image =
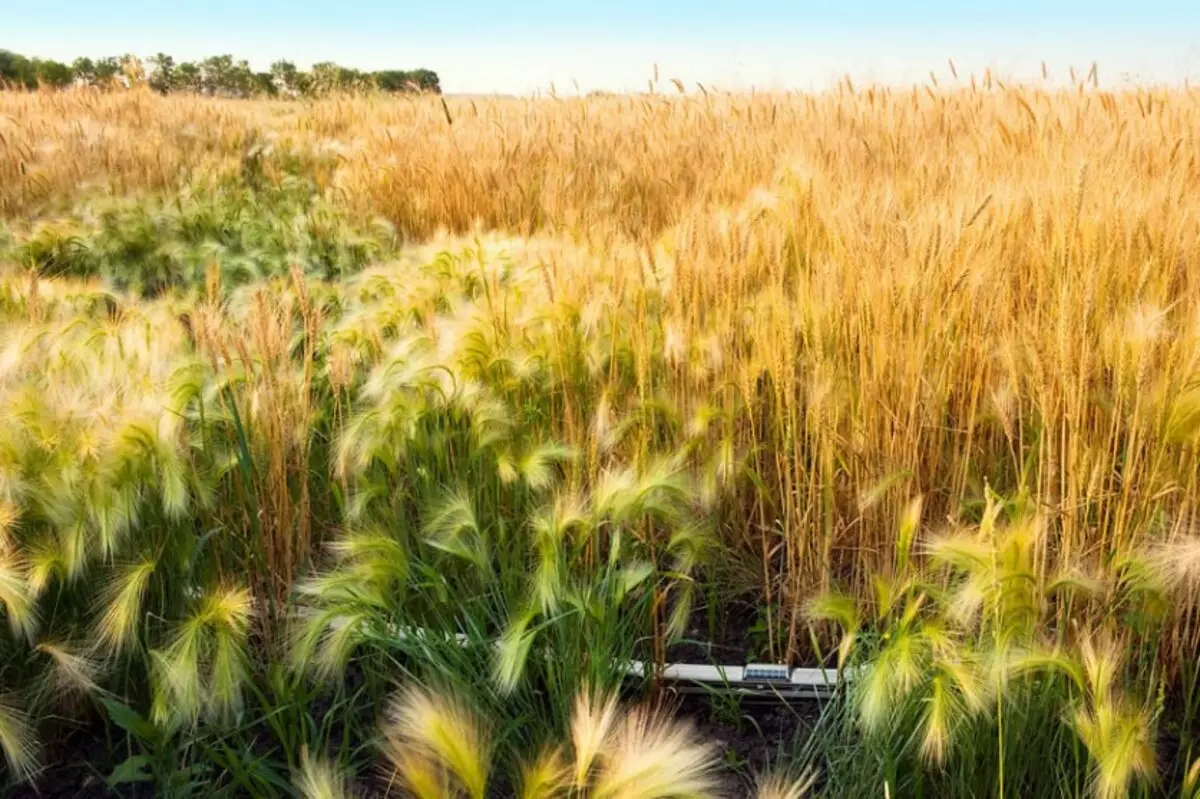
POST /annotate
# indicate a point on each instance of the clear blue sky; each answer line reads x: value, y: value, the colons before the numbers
x: 525, y: 45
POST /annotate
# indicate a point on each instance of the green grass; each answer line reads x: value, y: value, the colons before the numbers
x: 250, y: 228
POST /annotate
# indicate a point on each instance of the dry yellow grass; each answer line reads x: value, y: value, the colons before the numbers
x: 913, y: 291
x: 513, y: 165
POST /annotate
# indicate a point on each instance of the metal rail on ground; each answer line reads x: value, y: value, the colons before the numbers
x: 763, y: 680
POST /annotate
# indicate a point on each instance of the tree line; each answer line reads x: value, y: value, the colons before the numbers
x: 219, y: 75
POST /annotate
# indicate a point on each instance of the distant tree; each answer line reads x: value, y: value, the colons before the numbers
x: 84, y: 70
x: 426, y: 80
x: 52, y: 73
x: 221, y: 75
x: 162, y: 73
x: 100, y: 72
x: 327, y: 77
x: 216, y: 75
x: 240, y: 81
x: 107, y: 70
x: 264, y: 83
x: 393, y: 80
x: 286, y: 77
x: 17, y: 70
x: 396, y: 80
x: 187, y: 78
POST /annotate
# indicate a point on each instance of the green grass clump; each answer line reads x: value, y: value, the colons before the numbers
x: 975, y: 676
x: 151, y: 245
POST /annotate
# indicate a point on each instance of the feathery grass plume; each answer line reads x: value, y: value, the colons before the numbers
x: 122, y: 599
x: 689, y: 544
x: 177, y: 678
x: 512, y: 652
x: 630, y: 576
x: 10, y: 514
x: 896, y: 671
x: 876, y: 697
x: 998, y: 589
x: 327, y: 642
x: 663, y: 490
x: 15, y: 596
x: 842, y: 610
x: 46, y: 564
x: 886, y: 590
x: 110, y: 511
x: 782, y: 786
x: 910, y: 521
x: 683, y: 595
x: 174, y: 492
x: 1118, y: 736
x: 452, y: 526
x: 373, y: 556
x: 545, y: 777
x: 229, y: 670
x: 1184, y: 421
x: 552, y: 524
x: 536, y: 466
x: 966, y: 553
x: 647, y: 755
x: 1191, y: 781
x: 613, y: 494
x: 717, y: 480
x: 17, y: 738
x: 592, y: 721
x: 1101, y: 662
x: 1121, y: 744
x: 319, y: 779
x: 491, y: 420
x: 430, y: 738
x: 70, y: 672
x: 873, y: 495
x: 1073, y: 581
x: 422, y: 776
x: 1178, y: 563
x: 202, y: 670
x: 602, y: 429
x: 967, y: 674
x: 957, y: 692
x: 506, y: 467
x: 1013, y: 662
x: 1142, y: 583
x: 228, y: 608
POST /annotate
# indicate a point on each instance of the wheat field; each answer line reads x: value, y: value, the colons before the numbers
x: 811, y: 308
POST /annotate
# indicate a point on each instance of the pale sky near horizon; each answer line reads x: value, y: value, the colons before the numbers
x: 528, y: 45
